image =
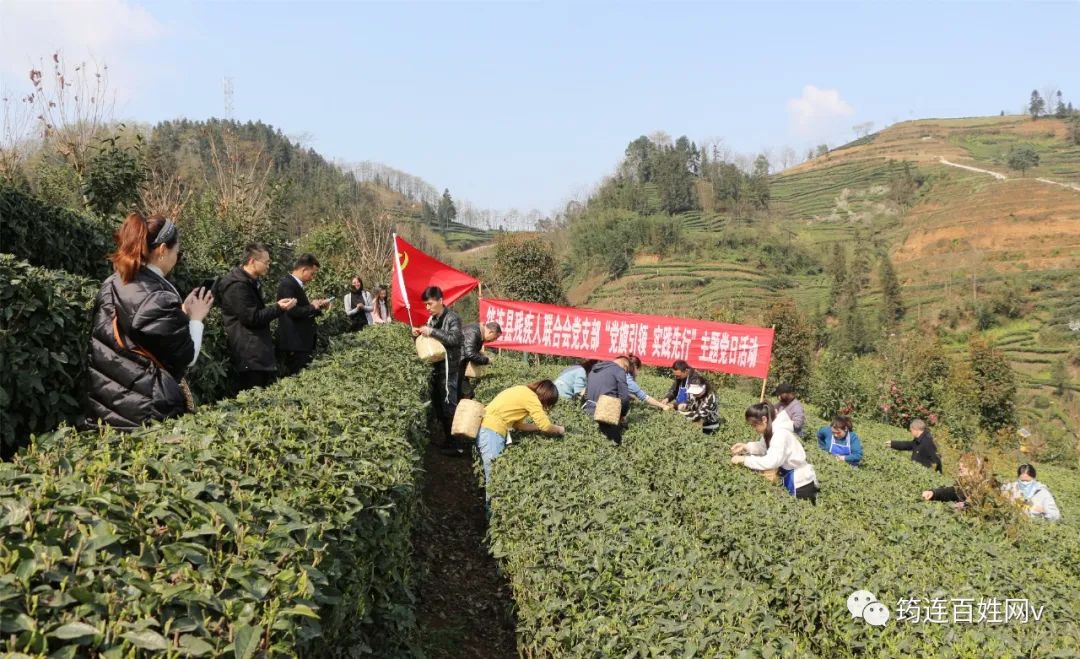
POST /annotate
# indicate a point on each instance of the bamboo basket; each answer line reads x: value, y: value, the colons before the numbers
x: 475, y: 370
x: 608, y: 410
x: 467, y: 419
x: 772, y: 475
x: 430, y: 350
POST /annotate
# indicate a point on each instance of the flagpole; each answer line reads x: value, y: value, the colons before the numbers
x: 401, y: 282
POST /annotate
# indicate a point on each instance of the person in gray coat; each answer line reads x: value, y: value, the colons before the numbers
x: 608, y: 379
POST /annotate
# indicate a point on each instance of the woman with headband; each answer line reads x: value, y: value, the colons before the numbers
x: 144, y: 335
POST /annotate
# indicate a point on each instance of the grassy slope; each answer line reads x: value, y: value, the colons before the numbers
x: 962, y: 223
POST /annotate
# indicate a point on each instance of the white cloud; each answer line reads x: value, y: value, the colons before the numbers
x: 818, y: 113
x: 106, y: 31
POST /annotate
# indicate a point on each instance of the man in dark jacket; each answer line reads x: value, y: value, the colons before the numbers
x: 247, y: 319
x: 474, y: 336
x: 296, y: 329
x: 922, y: 447
x: 445, y: 327
x: 608, y: 379
x: 680, y: 373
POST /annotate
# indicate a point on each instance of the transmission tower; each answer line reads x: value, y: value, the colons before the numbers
x: 228, y: 97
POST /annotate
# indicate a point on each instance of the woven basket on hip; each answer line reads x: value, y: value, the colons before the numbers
x: 474, y: 370
x: 608, y: 410
x: 429, y: 349
x: 772, y: 475
x: 467, y: 419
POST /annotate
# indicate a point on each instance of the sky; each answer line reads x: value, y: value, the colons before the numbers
x: 528, y: 105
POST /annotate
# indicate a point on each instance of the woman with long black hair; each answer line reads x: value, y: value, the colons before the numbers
x: 779, y: 448
x: 144, y: 335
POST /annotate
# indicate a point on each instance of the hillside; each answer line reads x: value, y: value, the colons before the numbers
x: 1017, y: 236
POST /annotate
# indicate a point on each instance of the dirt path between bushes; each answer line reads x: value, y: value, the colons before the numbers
x: 464, y: 608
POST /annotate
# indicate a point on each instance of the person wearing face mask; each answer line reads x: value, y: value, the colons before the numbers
x: 144, y: 335
x: 1033, y: 496
x: 840, y: 441
x: 701, y: 406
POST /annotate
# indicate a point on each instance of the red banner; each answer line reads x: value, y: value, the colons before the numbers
x: 656, y: 340
x: 413, y: 272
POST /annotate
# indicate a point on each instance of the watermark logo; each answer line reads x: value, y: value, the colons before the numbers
x: 864, y: 604
x: 940, y: 611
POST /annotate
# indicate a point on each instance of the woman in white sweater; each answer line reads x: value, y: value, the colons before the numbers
x: 1033, y: 496
x: 779, y: 448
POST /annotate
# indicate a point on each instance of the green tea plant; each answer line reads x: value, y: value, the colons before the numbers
x: 45, y: 327
x: 660, y: 547
x: 275, y: 524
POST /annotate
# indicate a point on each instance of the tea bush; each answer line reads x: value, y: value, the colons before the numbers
x: 43, y: 338
x: 275, y: 524
x: 53, y: 237
x: 662, y: 548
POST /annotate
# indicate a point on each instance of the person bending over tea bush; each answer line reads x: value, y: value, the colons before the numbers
x: 144, y: 335
x: 508, y: 410
x: 701, y: 406
x: 779, y: 448
x: 974, y: 483
x: 1032, y: 496
x: 840, y: 441
x: 635, y: 389
x: 922, y: 447
x: 608, y: 379
x: 572, y: 380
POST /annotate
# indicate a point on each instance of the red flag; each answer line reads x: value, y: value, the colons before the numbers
x: 413, y: 272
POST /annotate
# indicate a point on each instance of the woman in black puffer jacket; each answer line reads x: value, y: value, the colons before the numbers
x: 143, y: 337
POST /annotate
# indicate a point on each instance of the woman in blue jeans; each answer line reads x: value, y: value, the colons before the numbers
x: 509, y: 410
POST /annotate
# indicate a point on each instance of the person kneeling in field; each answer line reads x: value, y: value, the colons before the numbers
x: 779, y: 448
x: 973, y: 481
x: 840, y: 440
x: 1031, y: 495
x: 701, y: 406
x: 509, y: 410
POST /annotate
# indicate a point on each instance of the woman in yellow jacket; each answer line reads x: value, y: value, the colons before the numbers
x: 509, y: 410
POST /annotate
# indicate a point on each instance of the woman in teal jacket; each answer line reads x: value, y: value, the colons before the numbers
x: 840, y: 440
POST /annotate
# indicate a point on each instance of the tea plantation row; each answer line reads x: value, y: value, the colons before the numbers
x: 274, y: 524
x: 662, y: 548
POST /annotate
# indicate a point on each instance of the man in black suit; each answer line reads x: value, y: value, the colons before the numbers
x: 296, y: 329
x: 247, y: 319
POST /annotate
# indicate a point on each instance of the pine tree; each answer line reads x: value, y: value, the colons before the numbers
x: 447, y: 211
x: 996, y: 383
x: 892, y: 305
x: 838, y: 267
x: 1037, y: 105
x: 793, y: 344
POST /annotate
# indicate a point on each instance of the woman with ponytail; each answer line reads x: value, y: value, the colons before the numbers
x: 779, y: 448
x: 144, y: 336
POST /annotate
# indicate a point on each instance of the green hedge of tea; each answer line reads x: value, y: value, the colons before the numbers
x: 52, y: 237
x: 662, y: 548
x: 43, y: 339
x: 275, y: 524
